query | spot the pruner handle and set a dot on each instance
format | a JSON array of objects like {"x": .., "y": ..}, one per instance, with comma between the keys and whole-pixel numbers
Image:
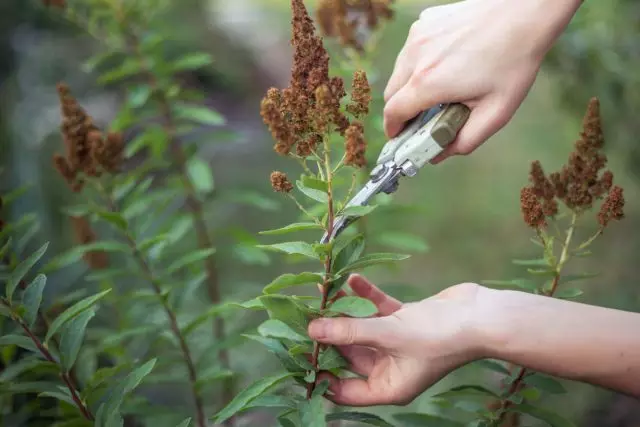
[{"x": 449, "y": 122}]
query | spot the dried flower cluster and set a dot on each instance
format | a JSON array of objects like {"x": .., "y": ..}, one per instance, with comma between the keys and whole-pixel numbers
[
  {"x": 309, "y": 109},
  {"x": 85, "y": 235},
  {"x": 88, "y": 151},
  {"x": 351, "y": 20},
  {"x": 280, "y": 182},
  {"x": 579, "y": 183}
]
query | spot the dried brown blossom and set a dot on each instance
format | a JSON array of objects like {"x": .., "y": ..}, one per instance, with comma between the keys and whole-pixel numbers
[
  {"x": 351, "y": 21},
  {"x": 308, "y": 146},
  {"x": 613, "y": 207},
  {"x": 87, "y": 151},
  {"x": 360, "y": 95},
  {"x": 84, "y": 234},
  {"x": 280, "y": 182},
  {"x": 355, "y": 146},
  {"x": 532, "y": 210}
]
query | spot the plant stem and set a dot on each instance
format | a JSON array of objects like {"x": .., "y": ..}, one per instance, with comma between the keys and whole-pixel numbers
[
  {"x": 327, "y": 263},
  {"x": 196, "y": 209},
  {"x": 173, "y": 322},
  {"x": 564, "y": 257},
  {"x": 66, "y": 378}
]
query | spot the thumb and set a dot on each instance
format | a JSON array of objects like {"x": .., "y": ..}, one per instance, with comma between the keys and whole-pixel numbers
[{"x": 373, "y": 332}]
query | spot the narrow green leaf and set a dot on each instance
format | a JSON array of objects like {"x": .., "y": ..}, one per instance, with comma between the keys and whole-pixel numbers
[
  {"x": 551, "y": 418},
  {"x": 72, "y": 311},
  {"x": 190, "y": 258},
  {"x": 359, "y": 417},
  {"x": 292, "y": 248},
  {"x": 539, "y": 262},
  {"x": 414, "y": 419},
  {"x": 200, "y": 175},
  {"x": 61, "y": 394},
  {"x": 312, "y": 412},
  {"x": 113, "y": 218},
  {"x": 199, "y": 114},
  {"x": 466, "y": 390},
  {"x": 348, "y": 251},
  {"x": 272, "y": 401},
  {"x": 76, "y": 253},
  {"x": 287, "y": 280},
  {"x": 286, "y": 310},
  {"x": 275, "y": 328},
  {"x": 314, "y": 183},
  {"x": 212, "y": 312},
  {"x": 317, "y": 195},
  {"x": 32, "y": 297},
  {"x": 372, "y": 259},
  {"x": 299, "y": 226},
  {"x": 18, "y": 341},
  {"x": 128, "y": 68},
  {"x": 192, "y": 61},
  {"x": 30, "y": 364},
  {"x": 575, "y": 277},
  {"x": 4, "y": 249},
  {"x": 493, "y": 365},
  {"x": 530, "y": 394},
  {"x": 358, "y": 211},
  {"x": 139, "y": 95},
  {"x": 354, "y": 306},
  {"x": 22, "y": 269},
  {"x": 278, "y": 349},
  {"x": 246, "y": 396},
  {"x": 185, "y": 423},
  {"x": 72, "y": 335},
  {"x": 568, "y": 293},
  {"x": 518, "y": 283},
  {"x": 545, "y": 383},
  {"x": 331, "y": 359}
]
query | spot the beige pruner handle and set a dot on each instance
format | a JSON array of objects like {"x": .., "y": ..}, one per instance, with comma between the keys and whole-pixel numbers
[{"x": 449, "y": 122}]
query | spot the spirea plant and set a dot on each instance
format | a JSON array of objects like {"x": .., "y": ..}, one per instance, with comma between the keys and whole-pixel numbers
[{"x": 315, "y": 123}]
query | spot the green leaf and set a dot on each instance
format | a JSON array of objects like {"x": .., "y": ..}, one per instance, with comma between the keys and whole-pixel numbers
[
  {"x": 62, "y": 395},
  {"x": 317, "y": 195},
  {"x": 372, "y": 259},
  {"x": 199, "y": 114},
  {"x": 359, "y": 417},
  {"x": 530, "y": 394},
  {"x": 278, "y": 349},
  {"x": 22, "y": 269},
  {"x": 348, "y": 251},
  {"x": 128, "y": 68},
  {"x": 568, "y": 293},
  {"x": 403, "y": 241},
  {"x": 4, "y": 249},
  {"x": 539, "y": 262},
  {"x": 76, "y": 253},
  {"x": 493, "y": 365},
  {"x": 414, "y": 419},
  {"x": 299, "y": 226},
  {"x": 30, "y": 364},
  {"x": 139, "y": 95},
  {"x": 213, "y": 311},
  {"x": 354, "y": 306},
  {"x": 190, "y": 258},
  {"x": 19, "y": 341},
  {"x": 358, "y": 211},
  {"x": 272, "y": 401},
  {"x": 330, "y": 358},
  {"x": 72, "y": 335},
  {"x": 466, "y": 390},
  {"x": 287, "y": 280},
  {"x": 185, "y": 423},
  {"x": 549, "y": 417},
  {"x": 200, "y": 175},
  {"x": 32, "y": 297},
  {"x": 192, "y": 61},
  {"x": 315, "y": 184},
  {"x": 545, "y": 383},
  {"x": 575, "y": 277},
  {"x": 73, "y": 311},
  {"x": 275, "y": 328},
  {"x": 312, "y": 412},
  {"x": 246, "y": 396},
  {"x": 518, "y": 283},
  {"x": 286, "y": 310},
  {"x": 292, "y": 248},
  {"x": 113, "y": 218}
]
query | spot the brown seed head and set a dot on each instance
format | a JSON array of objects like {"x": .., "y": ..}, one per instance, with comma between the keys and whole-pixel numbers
[
  {"x": 360, "y": 95},
  {"x": 532, "y": 210},
  {"x": 355, "y": 146},
  {"x": 280, "y": 182},
  {"x": 613, "y": 207}
]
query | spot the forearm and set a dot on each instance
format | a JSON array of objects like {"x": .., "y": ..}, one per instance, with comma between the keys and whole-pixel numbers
[{"x": 575, "y": 341}]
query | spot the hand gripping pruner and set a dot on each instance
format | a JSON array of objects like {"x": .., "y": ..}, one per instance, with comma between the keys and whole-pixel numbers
[{"x": 423, "y": 138}]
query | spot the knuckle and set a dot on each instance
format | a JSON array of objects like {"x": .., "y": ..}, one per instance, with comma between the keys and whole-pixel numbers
[{"x": 346, "y": 332}]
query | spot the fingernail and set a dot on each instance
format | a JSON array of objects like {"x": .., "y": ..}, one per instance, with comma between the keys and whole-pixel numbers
[{"x": 318, "y": 328}]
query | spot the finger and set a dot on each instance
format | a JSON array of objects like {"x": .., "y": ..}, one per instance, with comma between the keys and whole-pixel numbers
[
  {"x": 353, "y": 391},
  {"x": 362, "y": 287},
  {"x": 373, "y": 332},
  {"x": 418, "y": 94},
  {"x": 402, "y": 71},
  {"x": 485, "y": 121},
  {"x": 361, "y": 359}
]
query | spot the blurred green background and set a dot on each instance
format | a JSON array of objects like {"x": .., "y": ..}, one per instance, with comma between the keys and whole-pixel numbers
[{"x": 469, "y": 214}]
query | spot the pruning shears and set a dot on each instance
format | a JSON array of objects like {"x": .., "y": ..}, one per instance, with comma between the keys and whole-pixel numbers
[{"x": 423, "y": 138}]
